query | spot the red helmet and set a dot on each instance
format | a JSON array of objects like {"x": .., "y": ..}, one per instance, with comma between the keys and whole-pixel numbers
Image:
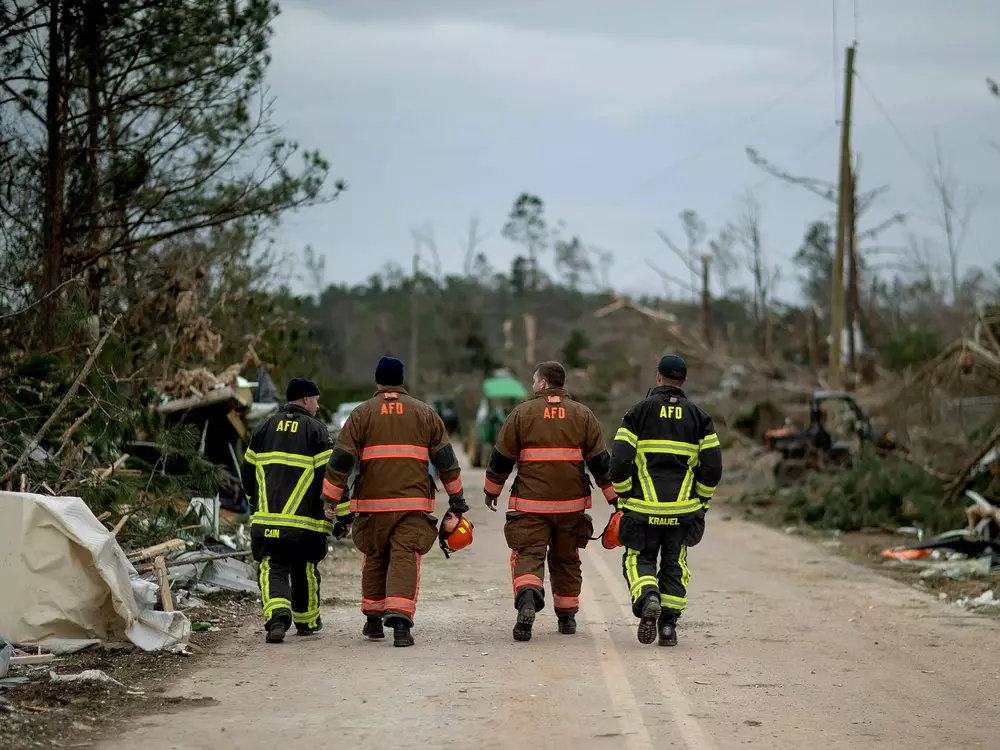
[
  {"x": 609, "y": 538},
  {"x": 455, "y": 533}
]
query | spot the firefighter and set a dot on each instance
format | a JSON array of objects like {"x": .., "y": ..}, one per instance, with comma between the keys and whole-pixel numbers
[
  {"x": 391, "y": 438},
  {"x": 283, "y": 476},
  {"x": 552, "y": 440},
  {"x": 666, "y": 465}
]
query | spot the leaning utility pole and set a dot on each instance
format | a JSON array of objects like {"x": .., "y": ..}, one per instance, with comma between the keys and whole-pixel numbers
[
  {"x": 844, "y": 223},
  {"x": 414, "y": 320}
]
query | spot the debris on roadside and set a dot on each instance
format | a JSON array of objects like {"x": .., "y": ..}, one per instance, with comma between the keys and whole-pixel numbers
[{"x": 87, "y": 675}]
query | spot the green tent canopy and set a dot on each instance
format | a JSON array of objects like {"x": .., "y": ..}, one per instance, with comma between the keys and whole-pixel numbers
[{"x": 501, "y": 388}]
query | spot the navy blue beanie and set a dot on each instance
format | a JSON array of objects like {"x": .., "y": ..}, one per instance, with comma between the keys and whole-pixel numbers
[
  {"x": 389, "y": 371},
  {"x": 300, "y": 388}
]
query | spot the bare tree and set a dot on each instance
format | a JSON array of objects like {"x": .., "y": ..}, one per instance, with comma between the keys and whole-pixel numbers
[
  {"x": 694, "y": 232},
  {"x": 955, "y": 209},
  {"x": 765, "y": 277},
  {"x": 473, "y": 241},
  {"x": 724, "y": 261}
]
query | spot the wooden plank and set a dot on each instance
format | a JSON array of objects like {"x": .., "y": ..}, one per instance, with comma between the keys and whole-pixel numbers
[
  {"x": 156, "y": 549},
  {"x": 160, "y": 570}
]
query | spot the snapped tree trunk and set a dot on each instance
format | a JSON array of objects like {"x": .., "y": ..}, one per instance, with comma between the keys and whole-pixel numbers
[{"x": 52, "y": 220}]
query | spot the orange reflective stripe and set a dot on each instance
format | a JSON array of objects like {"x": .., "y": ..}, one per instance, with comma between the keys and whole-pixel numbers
[
  {"x": 492, "y": 488},
  {"x": 527, "y": 580},
  {"x": 548, "y": 506},
  {"x": 387, "y": 504},
  {"x": 551, "y": 454},
  {"x": 453, "y": 488},
  {"x": 372, "y": 605},
  {"x": 565, "y": 602},
  {"x": 609, "y": 493},
  {"x": 408, "y": 606},
  {"x": 332, "y": 490},
  {"x": 418, "y": 452}
]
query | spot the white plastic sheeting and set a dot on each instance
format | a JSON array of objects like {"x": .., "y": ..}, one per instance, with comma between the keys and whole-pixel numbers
[{"x": 65, "y": 582}]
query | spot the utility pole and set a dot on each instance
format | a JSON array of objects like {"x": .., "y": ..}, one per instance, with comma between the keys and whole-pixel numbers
[
  {"x": 853, "y": 300},
  {"x": 414, "y": 320},
  {"x": 843, "y": 224}
]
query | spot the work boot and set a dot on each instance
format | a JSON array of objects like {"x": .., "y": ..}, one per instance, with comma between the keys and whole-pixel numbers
[
  {"x": 567, "y": 624},
  {"x": 276, "y": 632},
  {"x": 401, "y": 634},
  {"x": 647, "y": 624},
  {"x": 668, "y": 628},
  {"x": 373, "y": 628},
  {"x": 525, "y": 619},
  {"x": 303, "y": 629}
]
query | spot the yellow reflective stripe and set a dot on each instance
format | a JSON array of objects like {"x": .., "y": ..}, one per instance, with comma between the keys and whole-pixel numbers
[
  {"x": 659, "y": 509},
  {"x": 293, "y": 522},
  {"x": 263, "y": 580},
  {"x": 674, "y": 447},
  {"x": 704, "y": 490},
  {"x": 709, "y": 441},
  {"x": 640, "y": 583},
  {"x": 309, "y": 617},
  {"x": 343, "y": 508},
  {"x": 672, "y": 602},
  {"x": 299, "y": 492},
  {"x": 626, "y": 436},
  {"x": 286, "y": 459},
  {"x": 250, "y": 457},
  {"x": 645, "y": 478},
  {"x": 261, "y": 487},
  {"x": 684, "y": 493},
  {"x": 275, "y": 604},
  {"x": 682, "y": 559},
  {"x": 622, "y": 487},
  {"x": 321, "y": 458}
]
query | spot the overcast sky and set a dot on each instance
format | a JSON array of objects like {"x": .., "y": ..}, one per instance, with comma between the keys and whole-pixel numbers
[{"x": 621, "y": 114}]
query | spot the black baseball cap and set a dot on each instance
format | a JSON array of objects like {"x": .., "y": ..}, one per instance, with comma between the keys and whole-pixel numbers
[{"x": 672, "y": 367}]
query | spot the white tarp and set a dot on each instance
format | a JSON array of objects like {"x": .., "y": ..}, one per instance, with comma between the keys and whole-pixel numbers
[{"x": 65, "y": 581}]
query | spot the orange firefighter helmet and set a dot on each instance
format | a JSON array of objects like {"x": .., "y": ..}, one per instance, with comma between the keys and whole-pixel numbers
[
  {"x": 455, "y": 533},
  {"x": 610, "y": 538}
]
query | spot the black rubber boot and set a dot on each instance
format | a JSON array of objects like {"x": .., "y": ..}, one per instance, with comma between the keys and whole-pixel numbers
[
  {"x": 647, "y": 624},
  {"x": 373, "y": 628},
  {"x": 401, "y": 634},
  {"x": 526, "y": 607},
  {"x": 301, "y": 629},
  {"x": 276, "y": 632},
  {"x": 567, "y": 624},
  {"x": 668, "y": 627}
]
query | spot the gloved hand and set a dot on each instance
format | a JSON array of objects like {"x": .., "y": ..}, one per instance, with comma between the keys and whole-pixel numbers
[
  {"x": 457, "y": 505},
  {"x": 340, "y": 530},
  {"x": 613, "y": 502},
  {"x": 491, "y": 502}
]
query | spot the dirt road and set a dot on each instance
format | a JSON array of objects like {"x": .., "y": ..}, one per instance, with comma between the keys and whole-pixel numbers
[{"x": 784, "y": 645}]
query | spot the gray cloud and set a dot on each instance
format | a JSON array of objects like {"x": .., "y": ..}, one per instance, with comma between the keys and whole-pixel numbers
[{"x": 620, "y": 119}]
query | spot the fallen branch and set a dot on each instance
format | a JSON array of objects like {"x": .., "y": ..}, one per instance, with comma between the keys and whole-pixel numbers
[
  {"x": 954, "y": 489},
  {"x": 74, "y": 427},
  {"x": 70, "y": 395},
  {"x": 198, "y": 560}
]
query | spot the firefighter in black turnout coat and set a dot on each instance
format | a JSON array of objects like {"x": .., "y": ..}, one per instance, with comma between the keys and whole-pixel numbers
[
  {"x": 283, "y": 478},
  {"x": 666, "y": 465}
]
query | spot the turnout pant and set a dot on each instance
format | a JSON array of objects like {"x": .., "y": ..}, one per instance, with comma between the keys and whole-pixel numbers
[
  {"x": 289, "y": 579},
  {"x": 559, "y": 537},
  {"x": 645, "y": 545},
  {"x": 392, "y": 543}
]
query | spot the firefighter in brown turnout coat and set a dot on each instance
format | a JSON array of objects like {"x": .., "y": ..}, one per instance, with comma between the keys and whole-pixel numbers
[
  {"x": 391, "y": 438},
  {"x": 552, "y": 440}
]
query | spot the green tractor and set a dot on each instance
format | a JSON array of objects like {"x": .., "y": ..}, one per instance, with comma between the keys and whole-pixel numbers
[{"x": 500, "y": 395}]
